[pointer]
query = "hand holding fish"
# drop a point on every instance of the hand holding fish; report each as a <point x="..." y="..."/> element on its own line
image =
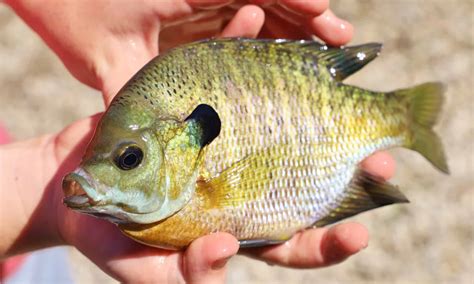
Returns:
<point x="103" y="43"/>
<point x="92" y="46"/>
<point x="204" y="260"/>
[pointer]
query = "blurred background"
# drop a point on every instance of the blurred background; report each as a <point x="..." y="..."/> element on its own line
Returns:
<point x="429" y="240"/>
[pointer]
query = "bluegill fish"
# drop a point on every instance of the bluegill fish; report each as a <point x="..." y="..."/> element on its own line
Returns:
<point x="258" y="138"/>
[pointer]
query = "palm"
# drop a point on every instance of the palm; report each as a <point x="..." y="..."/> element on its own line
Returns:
<point x="119" y="256"/>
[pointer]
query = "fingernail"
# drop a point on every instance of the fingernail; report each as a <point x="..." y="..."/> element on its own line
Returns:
<point x="218" y="264"/>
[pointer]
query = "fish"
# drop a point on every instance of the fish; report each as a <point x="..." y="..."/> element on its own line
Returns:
<point x="257" y="138"/>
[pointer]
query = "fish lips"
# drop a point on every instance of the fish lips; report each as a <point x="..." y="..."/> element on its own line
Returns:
<point x="78" y="193"/>
<point x="80" y="196"/>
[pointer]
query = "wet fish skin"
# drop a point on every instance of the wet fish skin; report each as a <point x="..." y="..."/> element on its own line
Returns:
<point x="258" y="138"/>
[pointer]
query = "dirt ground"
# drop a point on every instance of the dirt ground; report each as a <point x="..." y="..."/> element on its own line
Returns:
<point x="429" y="240"/>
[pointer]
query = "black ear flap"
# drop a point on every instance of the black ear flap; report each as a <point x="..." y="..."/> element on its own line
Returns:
<point x="208" y="120"/>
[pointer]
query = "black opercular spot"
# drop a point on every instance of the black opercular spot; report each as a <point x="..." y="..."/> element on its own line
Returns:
<point x="130" y="158"/>
<point x="209" y="121"/>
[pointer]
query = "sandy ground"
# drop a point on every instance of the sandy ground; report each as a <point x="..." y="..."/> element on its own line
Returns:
<point x="428" y="241"/>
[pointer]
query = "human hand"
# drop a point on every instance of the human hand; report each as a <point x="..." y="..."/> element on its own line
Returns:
<point x="204" y="260"/>
<point x="103" y="43"/>
<point x="103" y="47"/>
<point x="124" y="259"/>
<point x="34" y="217"/>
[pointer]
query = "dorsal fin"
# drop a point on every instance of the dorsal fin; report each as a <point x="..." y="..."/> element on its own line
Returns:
<point x="345" y="61"/>
<point x="365" y="192"/>
<point x="340" y="61"/>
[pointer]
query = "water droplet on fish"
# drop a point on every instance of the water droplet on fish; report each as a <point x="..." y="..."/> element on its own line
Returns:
<point x="361" y="56"/>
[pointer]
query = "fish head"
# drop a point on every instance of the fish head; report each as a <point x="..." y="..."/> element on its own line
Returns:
<point x="137" y="169"/>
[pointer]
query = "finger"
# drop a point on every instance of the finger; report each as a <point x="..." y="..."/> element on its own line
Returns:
<point x="277" y="26"/>
<point x="118" y="256"/>
<point x="380" y="164"/>
<point x="288" y="16"/>
<point x="247" y="22"/>
<point x="205" y="259"/>
<point x="263" y="3"/>
<point x="316" y="247"/>
<point x="331" y="29"/>
<point x="209" y="4"/>
<point x="4" y="135"/>
<point x="209" y="25"/>
<point x="306" y="8"/>
<point x="342" y="241"/>
<point x="74" y="138"/>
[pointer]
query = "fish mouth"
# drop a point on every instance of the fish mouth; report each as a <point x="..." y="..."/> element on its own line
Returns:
<point x="78" y="192"/>
<point x="80" y="195"/>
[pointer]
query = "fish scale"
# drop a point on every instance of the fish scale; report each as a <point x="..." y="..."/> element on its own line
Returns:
<point x="257" y="138"/>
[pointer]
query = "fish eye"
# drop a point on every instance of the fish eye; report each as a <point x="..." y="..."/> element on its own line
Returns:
<point x="130" y="158"/>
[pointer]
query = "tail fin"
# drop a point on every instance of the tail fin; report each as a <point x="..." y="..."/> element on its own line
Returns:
<point x="425" y="103"/>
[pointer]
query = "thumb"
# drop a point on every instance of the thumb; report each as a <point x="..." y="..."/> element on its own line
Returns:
<point x="205" y="259"/>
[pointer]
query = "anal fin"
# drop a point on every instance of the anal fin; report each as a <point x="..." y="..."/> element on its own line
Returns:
<point x="259" y="243"/>
<point x="365" y="192"/>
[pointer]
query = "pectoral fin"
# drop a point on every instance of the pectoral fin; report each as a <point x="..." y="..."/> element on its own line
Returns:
<point x="364" y="193"/>
<point x="239" y="183"/>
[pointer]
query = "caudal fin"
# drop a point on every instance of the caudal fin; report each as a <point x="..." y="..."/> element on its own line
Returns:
<point x="425" y="103"/>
